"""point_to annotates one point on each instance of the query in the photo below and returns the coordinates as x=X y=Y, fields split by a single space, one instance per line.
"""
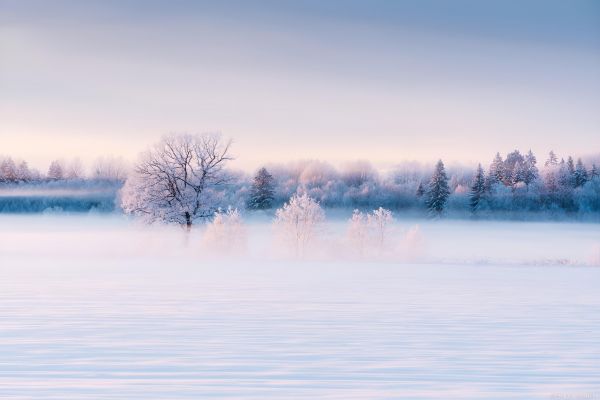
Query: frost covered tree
x=594 y=172
x=379 y=222
x=370 y=232
x=565 y=187
x=552 y=159
x=358 y=232
x=74 y=169
x=413 y=243
x=420 y=190
x=262 y=191
x=226 y=234
x=358 y=173
x=176 y=180
x=571 y=165
x=551 y=181
x=477 y=189
x=513 y=168
x=580 y=176
x=438 y=192
x=23 y=172
x=56 y=171
x=297 y=222
x=110 y=169
x=496 y=171
x=519 y=174
x=531 y=171
x=8 y=171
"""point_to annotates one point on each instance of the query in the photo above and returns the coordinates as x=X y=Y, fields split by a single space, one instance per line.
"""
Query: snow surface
x=97 y=307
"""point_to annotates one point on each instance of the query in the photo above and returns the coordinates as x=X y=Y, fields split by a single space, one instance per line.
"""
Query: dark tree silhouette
x=262 y=193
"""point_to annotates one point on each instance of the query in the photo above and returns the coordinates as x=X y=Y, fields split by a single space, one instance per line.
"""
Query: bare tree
x=175 y=181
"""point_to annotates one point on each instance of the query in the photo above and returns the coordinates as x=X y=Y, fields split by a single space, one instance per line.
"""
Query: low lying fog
x=404 y=241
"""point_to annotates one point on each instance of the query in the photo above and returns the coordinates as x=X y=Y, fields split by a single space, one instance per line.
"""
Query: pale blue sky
x=340 y=80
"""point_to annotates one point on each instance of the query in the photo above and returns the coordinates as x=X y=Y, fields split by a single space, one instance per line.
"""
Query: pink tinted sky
x=378 y=80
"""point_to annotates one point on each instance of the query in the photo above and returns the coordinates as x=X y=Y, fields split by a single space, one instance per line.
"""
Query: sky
x=377 y=80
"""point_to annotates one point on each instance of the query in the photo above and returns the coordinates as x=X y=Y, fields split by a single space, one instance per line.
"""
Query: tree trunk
x=188 y=229
x=188 y=222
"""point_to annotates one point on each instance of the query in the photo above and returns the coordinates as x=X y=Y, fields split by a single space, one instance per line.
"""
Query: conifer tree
x=531 y=171
x=477 y=189
x=420 y=190
x=565 y=187
x=438 y=190
x=262 y=193
x=552 y=159
x=496 y=171
x=580 y=175
x=571 y=165
x=519 y=174
x=564 y=175
x=594 y=172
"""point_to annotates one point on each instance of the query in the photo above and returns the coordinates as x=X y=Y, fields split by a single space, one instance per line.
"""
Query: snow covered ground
x=96 y=307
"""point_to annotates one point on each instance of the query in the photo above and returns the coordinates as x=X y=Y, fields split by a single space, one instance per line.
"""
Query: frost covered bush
x=297 y=223
x=358 y=233
x=379 y=222
x=413 y=244
x=370 y=233
x=226 y=234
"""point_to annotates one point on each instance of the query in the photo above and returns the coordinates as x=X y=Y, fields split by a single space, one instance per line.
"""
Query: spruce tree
x=552 y=159
x=420 y=190
x=565 y=187
x=531 y=171
x=477 y=189
x=571 y=165
x=438 y=190
x=496 y=171
x=594 y=172
x=519 y=174
x=580 y=174
x=261 y=193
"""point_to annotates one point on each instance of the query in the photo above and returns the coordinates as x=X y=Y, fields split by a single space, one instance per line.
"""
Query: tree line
x=510 y=184
x=104 y=168
x=184 y=178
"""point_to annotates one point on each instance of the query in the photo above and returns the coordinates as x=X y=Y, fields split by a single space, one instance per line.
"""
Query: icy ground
x=96 y=308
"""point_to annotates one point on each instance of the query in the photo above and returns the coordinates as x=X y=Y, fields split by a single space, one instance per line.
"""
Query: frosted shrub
x=297 y=222
x=380 y=221
x=413 y=243
x=226 y=234
x=358 y=232
x=369 y=233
